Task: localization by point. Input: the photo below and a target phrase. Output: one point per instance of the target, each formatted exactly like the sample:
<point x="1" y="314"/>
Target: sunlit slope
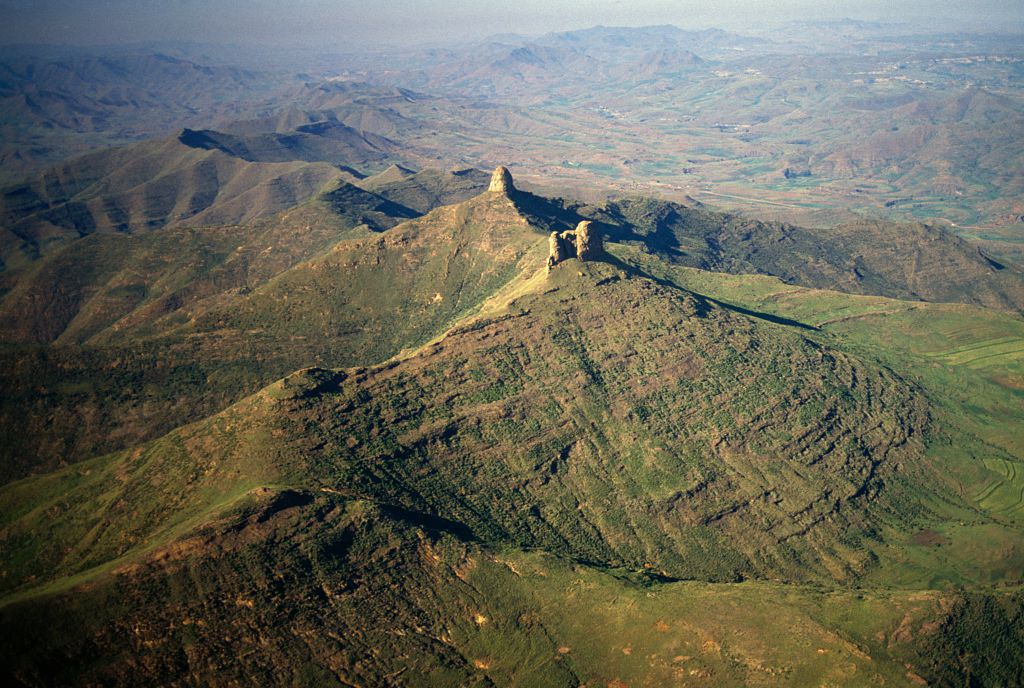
<point x="225" y="312"/>
<point x="375" y="296"/>
<point x="616" y="420"/>
<point x="110" y="287"/>
<point x="198" y="177"/>
<point x="313" y="588"/>
<point x="969" y="364"/>
<point x="602" y="416"/>
<point x="146" y="186"/>
<point x="184" y="322"/>
<point x="174" y="335"/>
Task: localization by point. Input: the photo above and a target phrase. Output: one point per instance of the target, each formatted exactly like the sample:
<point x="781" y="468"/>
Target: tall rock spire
<point x="501" y="181"/>
<point x="556" y="250"/>
<point x="589" y="245"/>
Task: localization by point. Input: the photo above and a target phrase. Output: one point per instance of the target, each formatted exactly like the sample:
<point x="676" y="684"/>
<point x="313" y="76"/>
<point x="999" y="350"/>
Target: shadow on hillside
<point x="430" y="522"/>
<point x="778" y="320"/>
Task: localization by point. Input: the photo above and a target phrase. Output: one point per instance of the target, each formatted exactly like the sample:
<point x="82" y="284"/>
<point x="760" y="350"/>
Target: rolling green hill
<point x="591" y="435"/>
<point x="108" y="285"/>
<point x="648" y="468"/>
<point x="304" y="288"/>
<point x="408" y="602"/>
<point x="216" y="315"/>
<point x="292" y="395"/>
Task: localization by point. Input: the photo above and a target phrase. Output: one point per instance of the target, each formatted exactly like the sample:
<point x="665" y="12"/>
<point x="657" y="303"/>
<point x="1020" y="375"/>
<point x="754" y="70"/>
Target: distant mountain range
<point x="913" y="127"/>
<point x="53" y="107"/>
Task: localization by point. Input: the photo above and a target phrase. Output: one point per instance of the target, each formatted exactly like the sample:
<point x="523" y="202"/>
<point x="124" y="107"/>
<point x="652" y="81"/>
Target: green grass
<point x="400" y="601"/>
<point x="632" y="471"/>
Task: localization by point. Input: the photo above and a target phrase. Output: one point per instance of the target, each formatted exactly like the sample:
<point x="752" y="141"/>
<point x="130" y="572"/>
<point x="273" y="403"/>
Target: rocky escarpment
<point x="584" y="242"/>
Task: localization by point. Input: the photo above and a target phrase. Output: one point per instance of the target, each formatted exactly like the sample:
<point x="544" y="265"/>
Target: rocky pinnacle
<point x="588" y="242"/>
<point x="501" y="181"/>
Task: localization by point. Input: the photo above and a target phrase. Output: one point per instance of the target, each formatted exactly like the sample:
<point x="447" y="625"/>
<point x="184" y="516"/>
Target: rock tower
<point x="588" y="242"/>
<point x="556" y="250"/>
<point x="501" y="181"/>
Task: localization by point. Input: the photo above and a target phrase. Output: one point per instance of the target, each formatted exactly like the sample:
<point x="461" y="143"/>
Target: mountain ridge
<point x="494" y="457"/>
<point x="206" y="292"/>
<point x="381" y="455"/>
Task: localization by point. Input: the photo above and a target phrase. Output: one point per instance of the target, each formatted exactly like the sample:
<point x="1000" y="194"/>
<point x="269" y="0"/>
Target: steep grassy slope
<point x="407" y="602"/>
<point x="378" y="295"/>
<point x="969" y="363"/>
<point x="659" y="439"/>
<point x="910" y="262"/>
<point x="590" y="393"/>
<point x="116" y="287"/>
<point x="596" y="413"/>
<point x="322" y="545"/>
<point x="71" y="399"/>
<point x="110" y="280"/>
<point x="179" y="300"/>
<point x="182" y="323"/>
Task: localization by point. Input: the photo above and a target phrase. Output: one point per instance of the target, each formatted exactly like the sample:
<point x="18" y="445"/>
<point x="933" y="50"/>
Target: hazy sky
<point x="341" y="23"/>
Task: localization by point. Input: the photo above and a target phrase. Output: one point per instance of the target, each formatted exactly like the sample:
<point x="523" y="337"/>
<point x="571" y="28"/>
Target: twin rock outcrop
<point x="584" y="242"/>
